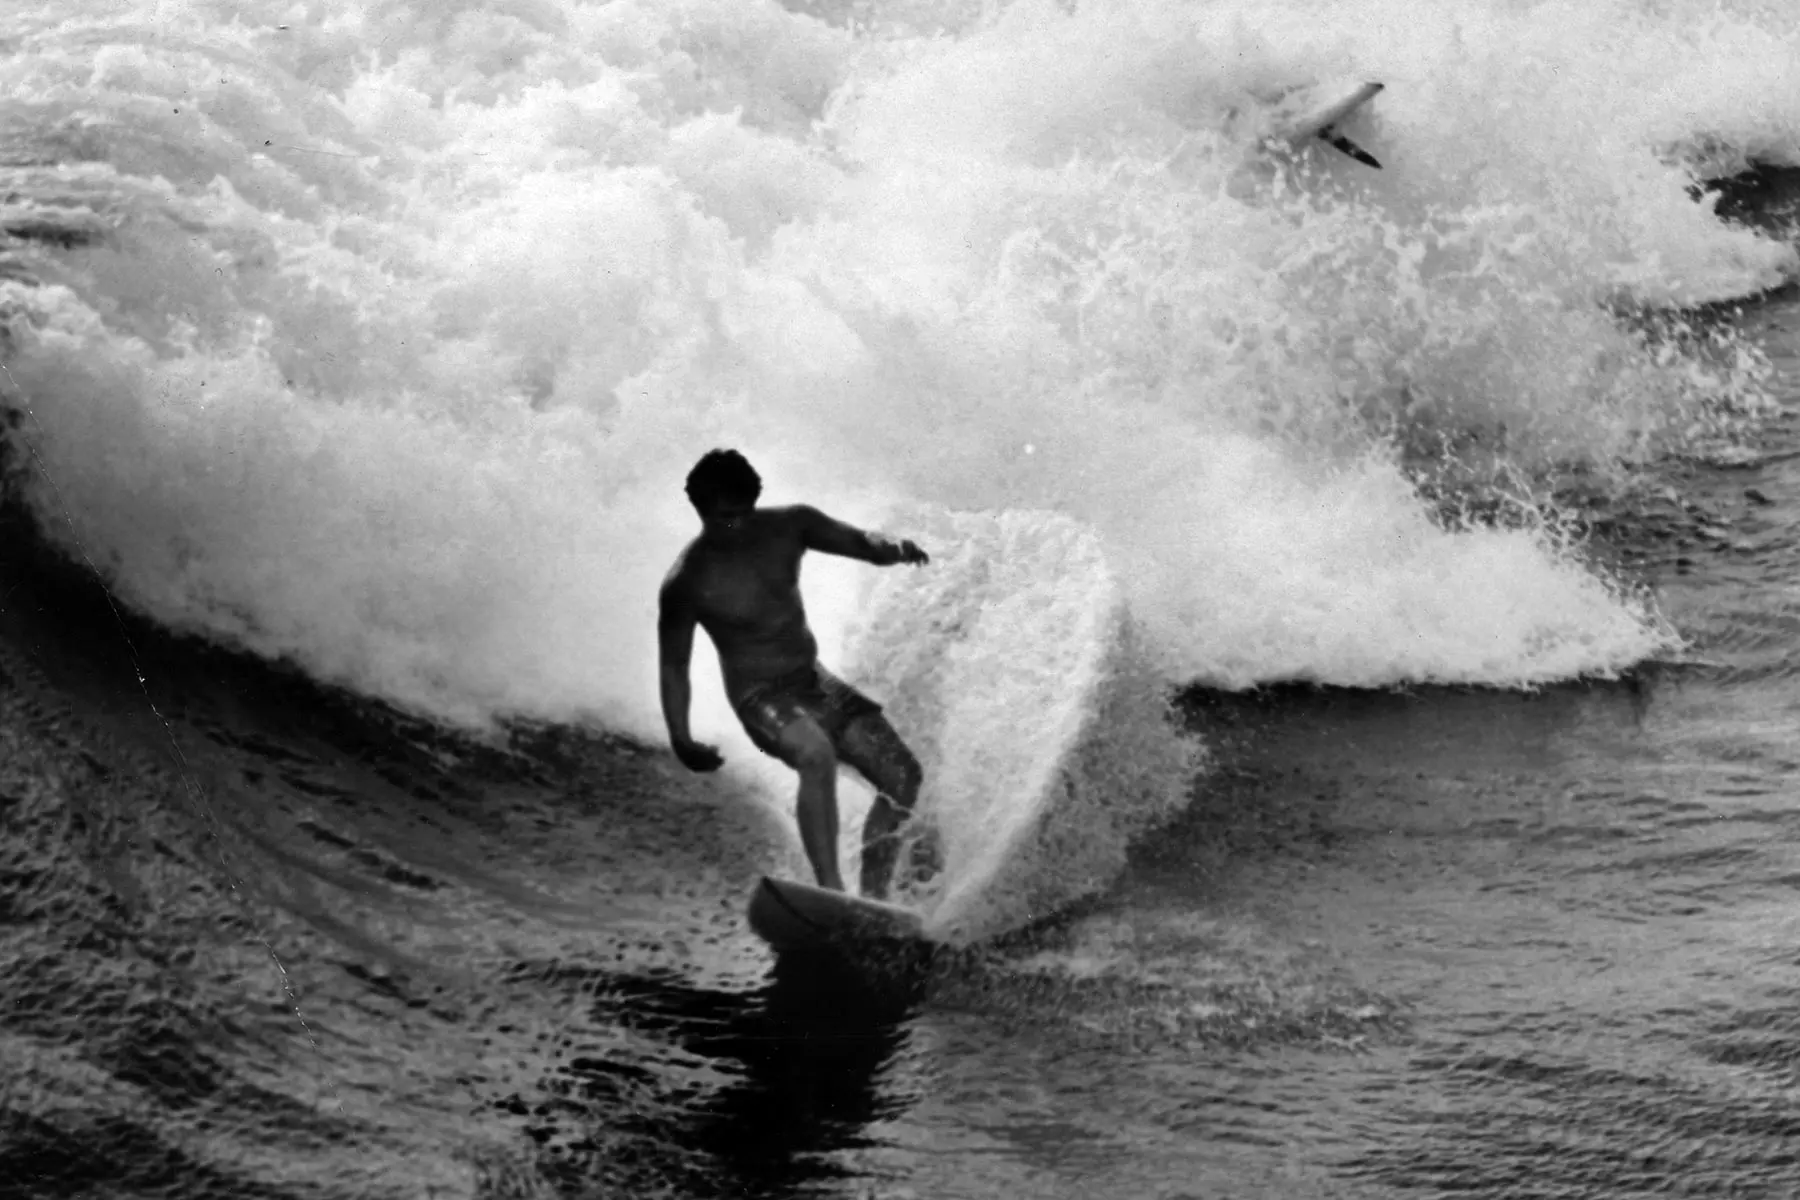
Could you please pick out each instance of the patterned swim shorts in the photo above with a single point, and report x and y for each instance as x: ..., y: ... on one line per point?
x: 769, y: 707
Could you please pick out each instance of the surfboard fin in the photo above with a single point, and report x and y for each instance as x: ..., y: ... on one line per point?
x: 1338, y: 141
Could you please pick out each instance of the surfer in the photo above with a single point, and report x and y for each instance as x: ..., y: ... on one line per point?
x: 740, y: 581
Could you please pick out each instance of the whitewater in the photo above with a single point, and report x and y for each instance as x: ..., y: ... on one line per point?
x: 406, y: 325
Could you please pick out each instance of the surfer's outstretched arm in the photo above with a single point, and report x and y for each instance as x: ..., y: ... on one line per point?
x: 830, y: 536
x: 675, y: 642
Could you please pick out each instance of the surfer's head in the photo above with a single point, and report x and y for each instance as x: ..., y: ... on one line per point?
x: 723, y: 487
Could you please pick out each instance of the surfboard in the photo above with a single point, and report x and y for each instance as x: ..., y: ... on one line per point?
x: 790, y: 915
x: 1323, y: 109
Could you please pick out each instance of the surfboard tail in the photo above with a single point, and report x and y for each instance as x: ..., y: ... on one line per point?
x: 1322, y: 120
x: 1338, y: 141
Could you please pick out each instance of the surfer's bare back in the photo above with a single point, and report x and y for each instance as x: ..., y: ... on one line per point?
x: 740, y: 581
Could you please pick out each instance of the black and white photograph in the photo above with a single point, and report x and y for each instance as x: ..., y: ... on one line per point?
x: 899, y: 599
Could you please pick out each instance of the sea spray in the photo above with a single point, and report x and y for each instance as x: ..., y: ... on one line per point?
x: 1012, y: 667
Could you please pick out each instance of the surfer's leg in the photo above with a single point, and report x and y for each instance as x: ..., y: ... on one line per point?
x: 870, y: 745
x: 803, y: 745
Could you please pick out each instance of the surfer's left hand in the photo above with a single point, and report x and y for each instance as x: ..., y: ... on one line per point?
x: 698, y: 756
x: 911, y: 554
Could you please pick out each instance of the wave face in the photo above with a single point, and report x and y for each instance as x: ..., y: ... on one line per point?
x: 379, y: 338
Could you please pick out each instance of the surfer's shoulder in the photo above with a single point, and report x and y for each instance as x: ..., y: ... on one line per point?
x: 788, y: 522
x: 797, y: 519
x: 678, y: 582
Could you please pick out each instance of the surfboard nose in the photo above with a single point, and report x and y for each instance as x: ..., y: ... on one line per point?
x: 779, y: 923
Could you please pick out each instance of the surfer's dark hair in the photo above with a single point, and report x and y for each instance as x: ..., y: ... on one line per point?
x: 722, y: 475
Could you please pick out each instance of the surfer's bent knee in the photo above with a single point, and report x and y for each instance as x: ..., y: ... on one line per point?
x: 892, y: 768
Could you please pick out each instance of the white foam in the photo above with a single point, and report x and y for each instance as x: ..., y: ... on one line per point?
x: 1009, y: 666
x: 409, y: 324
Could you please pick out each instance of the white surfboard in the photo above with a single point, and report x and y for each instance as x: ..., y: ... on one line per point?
x: 1317, y: 112
x: 790, y: 915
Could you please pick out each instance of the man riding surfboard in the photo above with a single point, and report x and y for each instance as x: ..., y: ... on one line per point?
x: 740, y: 581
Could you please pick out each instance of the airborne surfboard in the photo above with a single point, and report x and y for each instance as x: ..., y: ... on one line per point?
x: 790, y: 916
x: 1321, y: 110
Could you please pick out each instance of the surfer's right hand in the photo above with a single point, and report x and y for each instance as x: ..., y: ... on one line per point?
x: 698, y: 756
